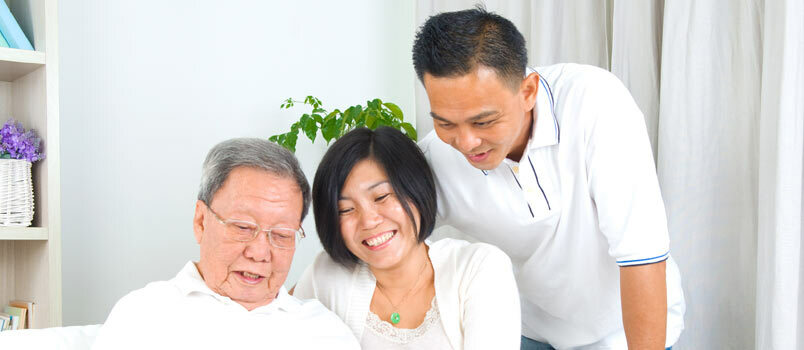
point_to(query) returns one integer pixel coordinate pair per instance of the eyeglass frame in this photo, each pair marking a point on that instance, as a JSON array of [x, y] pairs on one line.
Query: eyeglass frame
[[298, 233]]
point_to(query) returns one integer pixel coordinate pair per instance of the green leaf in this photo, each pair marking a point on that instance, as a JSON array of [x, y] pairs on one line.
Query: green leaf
[[395, 110], [360, 119], [371, 120], [309, 126], [410, 131], [287, 103], [318, 119], [373, 104], [351, 115], [329, 129], [341, 124], [290, 141], [333, 114]]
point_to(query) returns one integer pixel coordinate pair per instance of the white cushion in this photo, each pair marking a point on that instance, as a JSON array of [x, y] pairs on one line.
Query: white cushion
[[75, 337]]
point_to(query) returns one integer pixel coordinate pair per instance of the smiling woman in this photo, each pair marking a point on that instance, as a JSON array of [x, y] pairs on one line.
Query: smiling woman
[[374, 202]]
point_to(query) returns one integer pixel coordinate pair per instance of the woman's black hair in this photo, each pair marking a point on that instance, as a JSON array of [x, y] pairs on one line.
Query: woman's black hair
[[408, 173]]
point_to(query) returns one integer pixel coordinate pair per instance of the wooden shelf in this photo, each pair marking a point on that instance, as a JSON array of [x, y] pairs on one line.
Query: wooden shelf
[[15, 63], [23, 233]]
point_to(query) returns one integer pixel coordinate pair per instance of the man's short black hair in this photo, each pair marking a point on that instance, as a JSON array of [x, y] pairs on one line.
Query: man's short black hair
[[453, 44], [403, 162]]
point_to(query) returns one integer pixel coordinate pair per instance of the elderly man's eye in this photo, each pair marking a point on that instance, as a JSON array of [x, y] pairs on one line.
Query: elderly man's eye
[[283, 234], [243, 227]]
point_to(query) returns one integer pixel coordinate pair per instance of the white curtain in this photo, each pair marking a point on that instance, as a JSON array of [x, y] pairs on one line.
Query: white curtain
[[721, 84]]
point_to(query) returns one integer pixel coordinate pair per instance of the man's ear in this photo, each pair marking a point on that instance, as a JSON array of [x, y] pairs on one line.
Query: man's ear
[[198, 220], [528, 89]]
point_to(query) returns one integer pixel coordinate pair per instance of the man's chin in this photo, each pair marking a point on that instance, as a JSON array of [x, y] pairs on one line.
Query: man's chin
[[485, 164]]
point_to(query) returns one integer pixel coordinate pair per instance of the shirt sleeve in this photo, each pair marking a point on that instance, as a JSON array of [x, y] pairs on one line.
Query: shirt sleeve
[[491, 318], [622, 175]]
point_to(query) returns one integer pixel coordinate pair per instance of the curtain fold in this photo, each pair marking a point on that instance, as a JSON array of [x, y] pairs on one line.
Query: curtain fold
[[721, 84], [781, 173], [636, 54], [707, 164]]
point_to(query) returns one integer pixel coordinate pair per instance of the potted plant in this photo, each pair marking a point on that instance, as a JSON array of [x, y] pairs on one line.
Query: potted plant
[[332, 125], [18, 149]]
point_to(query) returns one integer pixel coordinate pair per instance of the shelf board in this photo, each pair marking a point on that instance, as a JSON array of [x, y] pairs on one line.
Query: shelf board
[[10, 233], [15, 63]]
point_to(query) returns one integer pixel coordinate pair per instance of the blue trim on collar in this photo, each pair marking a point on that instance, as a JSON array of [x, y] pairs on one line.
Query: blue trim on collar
[[549, 90]]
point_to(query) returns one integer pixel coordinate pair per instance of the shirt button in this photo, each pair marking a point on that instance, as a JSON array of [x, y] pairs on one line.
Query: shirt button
[[516, 169]]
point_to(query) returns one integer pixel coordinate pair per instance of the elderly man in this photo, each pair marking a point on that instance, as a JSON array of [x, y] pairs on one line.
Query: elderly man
[[250, 206]]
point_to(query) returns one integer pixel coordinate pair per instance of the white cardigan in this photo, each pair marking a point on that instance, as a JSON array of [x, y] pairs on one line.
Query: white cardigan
[[475, 291]]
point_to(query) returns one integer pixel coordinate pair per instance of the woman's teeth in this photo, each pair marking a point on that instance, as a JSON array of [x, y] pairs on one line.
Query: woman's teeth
[[373, 242]]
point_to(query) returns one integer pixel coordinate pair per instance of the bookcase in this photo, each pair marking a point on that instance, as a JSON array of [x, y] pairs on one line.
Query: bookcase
[[30, 257]]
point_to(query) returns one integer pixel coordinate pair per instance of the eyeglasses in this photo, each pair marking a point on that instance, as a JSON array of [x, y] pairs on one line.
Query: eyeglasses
[[245, 231]]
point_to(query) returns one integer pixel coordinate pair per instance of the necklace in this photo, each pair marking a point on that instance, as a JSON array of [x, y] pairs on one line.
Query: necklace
[[395, 315]]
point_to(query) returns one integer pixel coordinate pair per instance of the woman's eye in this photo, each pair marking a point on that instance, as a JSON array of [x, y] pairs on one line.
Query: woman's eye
[[344, 211], [383, 197]]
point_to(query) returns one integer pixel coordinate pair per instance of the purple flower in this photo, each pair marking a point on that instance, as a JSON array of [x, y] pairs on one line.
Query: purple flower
[[16, 143]]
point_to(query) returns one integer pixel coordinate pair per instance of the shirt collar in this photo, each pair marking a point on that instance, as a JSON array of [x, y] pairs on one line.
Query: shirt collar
[[189, 281], [545, 131]]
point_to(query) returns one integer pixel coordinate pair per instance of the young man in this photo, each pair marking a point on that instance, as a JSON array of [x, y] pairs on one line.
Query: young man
[[554, 166]]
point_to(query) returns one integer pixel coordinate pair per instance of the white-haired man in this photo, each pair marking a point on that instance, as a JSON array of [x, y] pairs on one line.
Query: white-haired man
[[250, 206]]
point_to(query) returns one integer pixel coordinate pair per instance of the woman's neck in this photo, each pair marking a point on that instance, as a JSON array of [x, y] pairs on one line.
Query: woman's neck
[[408, 272]]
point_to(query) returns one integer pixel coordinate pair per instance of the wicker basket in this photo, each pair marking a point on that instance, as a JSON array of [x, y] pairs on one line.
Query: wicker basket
[[16, 193]]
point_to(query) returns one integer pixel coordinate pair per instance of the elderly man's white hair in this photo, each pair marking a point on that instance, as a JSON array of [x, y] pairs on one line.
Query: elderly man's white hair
[[250, 152]]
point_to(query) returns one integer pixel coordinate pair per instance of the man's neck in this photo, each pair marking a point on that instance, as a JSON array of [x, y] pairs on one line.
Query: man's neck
[[524, 136]]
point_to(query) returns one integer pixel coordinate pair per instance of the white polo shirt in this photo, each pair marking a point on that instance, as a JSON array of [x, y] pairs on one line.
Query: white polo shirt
[[582, 201], [184, 313]]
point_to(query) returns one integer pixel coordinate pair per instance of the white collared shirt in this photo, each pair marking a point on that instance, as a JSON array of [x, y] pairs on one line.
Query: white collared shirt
[[183, 313], [583, 200]]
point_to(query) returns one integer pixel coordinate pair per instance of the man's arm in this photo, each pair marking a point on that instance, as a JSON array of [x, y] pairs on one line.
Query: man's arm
[[643, 291]]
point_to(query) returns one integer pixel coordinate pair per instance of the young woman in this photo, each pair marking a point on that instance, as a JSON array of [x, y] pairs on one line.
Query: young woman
[[374, 203]]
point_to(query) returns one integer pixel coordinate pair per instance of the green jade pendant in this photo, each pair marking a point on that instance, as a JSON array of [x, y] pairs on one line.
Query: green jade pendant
[[395, 318]]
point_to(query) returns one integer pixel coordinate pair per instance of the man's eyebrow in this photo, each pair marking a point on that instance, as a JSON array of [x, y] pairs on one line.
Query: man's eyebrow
[[340, 198], [474, 118]]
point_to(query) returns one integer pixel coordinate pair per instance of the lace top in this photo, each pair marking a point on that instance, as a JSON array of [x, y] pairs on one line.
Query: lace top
[[430, 334]]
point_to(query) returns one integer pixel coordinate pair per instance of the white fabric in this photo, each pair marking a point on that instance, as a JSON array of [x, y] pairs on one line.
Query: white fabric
[[183, 313], [67, 338], [708, 166], [780, 301], [429, 335], [720, 83], [583, 200], [474, 286]]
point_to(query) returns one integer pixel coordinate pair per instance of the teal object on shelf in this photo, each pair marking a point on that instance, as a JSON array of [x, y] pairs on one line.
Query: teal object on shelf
[[3, 42], [11, 31]]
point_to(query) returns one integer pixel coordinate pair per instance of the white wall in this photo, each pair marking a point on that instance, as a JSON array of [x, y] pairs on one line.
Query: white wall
[[148, 86]]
